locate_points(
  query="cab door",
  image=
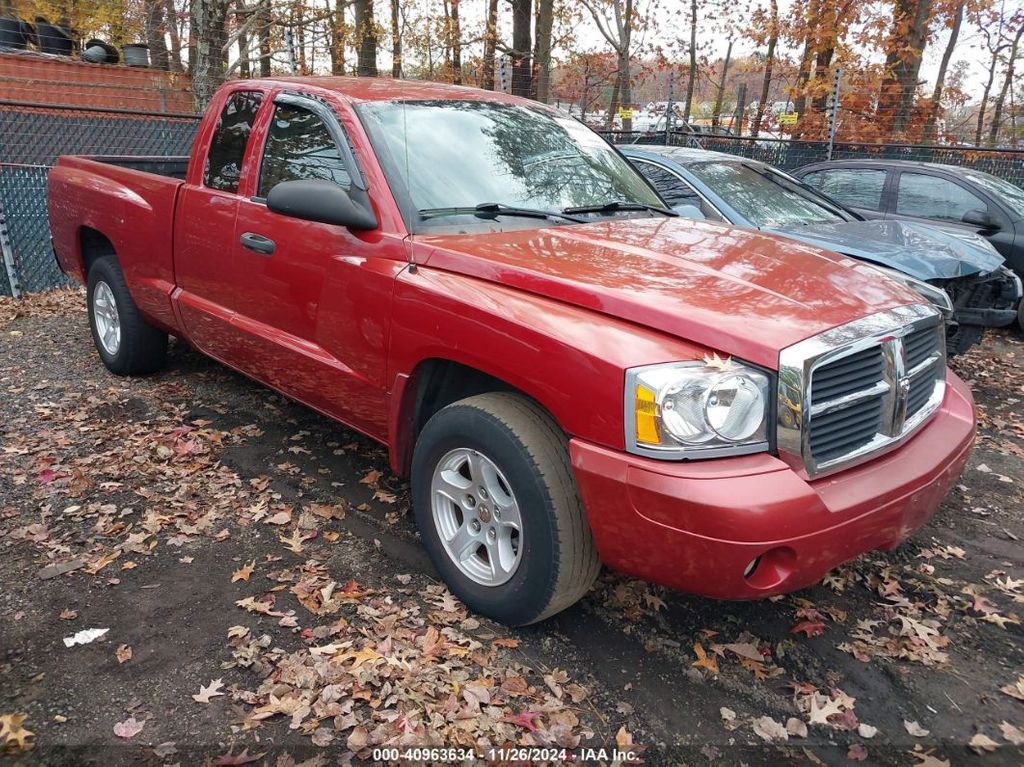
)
(204, 268)
(313, 299)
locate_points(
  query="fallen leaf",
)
(857, 753)
(525, 719)
(68, 615)
(1015, 689)
(624, 739)
(796, 727)
(866, 731)
(243, 573)
(769, 730)
(212, 690)
(1012, 733)
(703, 659)
(244, 757)
(14, 736)
(123, 653)
(129, 728)
(982, 743)
(915, 729)
(294, 543)
(810, 628)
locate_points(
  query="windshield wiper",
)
(493, 209)
(615, 206)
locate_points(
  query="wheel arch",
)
(435, 383)
(93, 245)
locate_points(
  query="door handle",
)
(257, 243)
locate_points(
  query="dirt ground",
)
(265, 599)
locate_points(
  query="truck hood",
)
(923, 251)
(732, 290)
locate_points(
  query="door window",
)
(855, 187)
(227, 146)
(934, 197)
(299, 147)
(673, 189)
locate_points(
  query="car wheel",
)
(1020, 315)
(127, 344)
(495, 502)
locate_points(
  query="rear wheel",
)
(126, 343)
(495, 501)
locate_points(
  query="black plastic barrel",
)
(13, 32)
(53, 39)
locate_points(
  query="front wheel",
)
(127, 344)
(495, 502)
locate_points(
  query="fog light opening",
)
(752, 566)
(770, 569)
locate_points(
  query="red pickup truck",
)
(568, 373)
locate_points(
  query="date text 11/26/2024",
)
(509, 754)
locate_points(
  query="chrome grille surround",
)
(892, 332)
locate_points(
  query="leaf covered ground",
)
(193, 568)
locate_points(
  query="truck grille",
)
(859, 389)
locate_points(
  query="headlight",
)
(696, 409)
(935, 296)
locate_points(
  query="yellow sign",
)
(626, 114)
(789, 118)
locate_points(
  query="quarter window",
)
(934, 197)
(230, 137)
(300, 147)
(853, 187)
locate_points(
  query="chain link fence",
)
(32, 137)
(787, 154)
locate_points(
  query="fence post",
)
(8, 251)
(670, 111)
(833, 109)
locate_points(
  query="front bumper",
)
(699, 526)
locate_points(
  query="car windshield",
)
(764, 197)
(451, 154)
(1011, 195)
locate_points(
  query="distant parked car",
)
(901, 189)
(959, 272)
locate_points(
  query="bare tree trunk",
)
(984, 96)
(716, 116)
(155, 34)
(769, 64)
(299, 28)
(490, 46)
(264, 36)
(209, 35)
(456, 40)
(692, 74)
(803, 77)
(244, 68)
(997, 113)
(613, 105)
(366, 39)
(903, 63)
(928, 133)
(396, 40)
(522, 71)
(174, 60)
(542, 50)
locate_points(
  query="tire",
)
(1020, 315)
(136, 348)
(555, 561)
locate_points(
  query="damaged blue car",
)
(956, 270)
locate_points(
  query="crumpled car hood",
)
(923, 251)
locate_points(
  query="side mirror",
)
(689, 211)
(980, 218)
(322, 201)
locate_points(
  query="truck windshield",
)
(765, 198)
(461, 156)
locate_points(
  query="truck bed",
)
(130, 202)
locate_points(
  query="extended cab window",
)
(227, 147)
(299, 147)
